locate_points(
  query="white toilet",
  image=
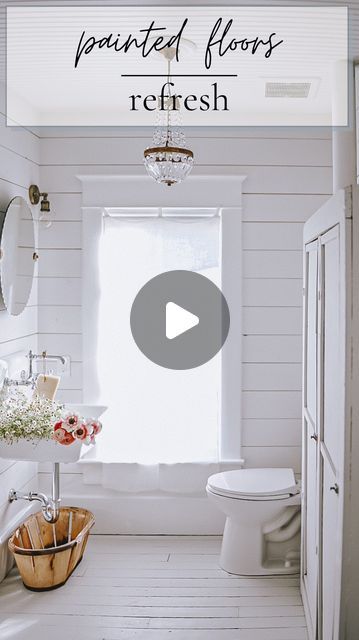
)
(262, 530)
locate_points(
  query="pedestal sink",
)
(50, 450)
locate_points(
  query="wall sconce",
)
(36, 196)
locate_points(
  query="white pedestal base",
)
(242, 552)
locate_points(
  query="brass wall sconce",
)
(35, 194)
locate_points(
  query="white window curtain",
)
(157, 418)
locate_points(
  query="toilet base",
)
(242, 553)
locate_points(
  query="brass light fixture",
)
(167, 159)
(35, 194)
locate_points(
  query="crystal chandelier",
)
(168, 160)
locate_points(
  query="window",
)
(155, 414)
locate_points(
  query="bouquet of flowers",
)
(43, 419)
(74, 427)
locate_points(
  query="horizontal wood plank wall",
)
(289, 176)
(19, 167)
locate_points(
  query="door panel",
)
(310, 454)
(332, 373)
(311, 330)
(329, 563)
(310, 576)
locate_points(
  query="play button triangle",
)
(178, 320)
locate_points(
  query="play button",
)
(179, 319)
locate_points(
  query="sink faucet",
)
(30, 379)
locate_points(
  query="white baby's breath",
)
(32, 419)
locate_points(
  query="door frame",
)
(217, 187)
(337, 211)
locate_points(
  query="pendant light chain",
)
(168, 160)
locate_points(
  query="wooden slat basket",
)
(47, 554)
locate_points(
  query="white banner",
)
(237, 66)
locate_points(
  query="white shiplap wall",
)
(19, 167)
(289, 176)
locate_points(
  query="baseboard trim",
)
(150, 515)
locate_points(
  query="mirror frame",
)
(3, 215)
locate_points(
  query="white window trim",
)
(218, 188)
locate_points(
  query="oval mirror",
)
(17, 255)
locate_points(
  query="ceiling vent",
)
(287, 89)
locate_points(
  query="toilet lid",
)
(253, 482)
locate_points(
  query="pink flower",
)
(96, 426)
(89, 428)
(71, 421)
(69, 439)
(59, 434)
(81, 432)
(62, 435)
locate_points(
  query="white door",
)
(326, 268)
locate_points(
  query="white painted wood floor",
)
(153, 588)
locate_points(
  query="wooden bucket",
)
(46, 554)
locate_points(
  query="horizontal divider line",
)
(59, 248)
(17, 125)
(19, 155)
(57, 333)
(271, 419)
(209, 607)
(164, 577)
(267, 278)
(64, 193)
(293, 590)
(246, 221)
(188, 127)
(276, 250)
(271, 391)
(230, 164)
(283, 194)
(272, 222)
(272, 306)
(271, 446)
(271, 335)
(268, 362)
(72, 221)
(15, 184)
(63, 471)
(28, 335)
(179, 75)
